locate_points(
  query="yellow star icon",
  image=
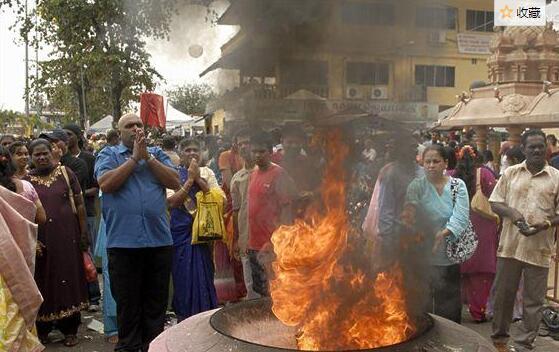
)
(506, 12)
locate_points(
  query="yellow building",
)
(403, 59)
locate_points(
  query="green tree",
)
(99, 50)
(9, 118)
(99, 62)
(191, 98)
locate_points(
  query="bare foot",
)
(112, 339)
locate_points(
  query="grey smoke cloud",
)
(190, 26)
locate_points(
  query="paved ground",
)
(543, 344)
(93, 341)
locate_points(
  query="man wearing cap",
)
(133, 179)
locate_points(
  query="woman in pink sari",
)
(20, 298)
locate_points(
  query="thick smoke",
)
(193, 25)
(303, 26)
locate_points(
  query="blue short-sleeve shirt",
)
(136, 214)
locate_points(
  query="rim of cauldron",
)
(427, 322)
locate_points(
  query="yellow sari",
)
(14, 334)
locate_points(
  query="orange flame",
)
(335, 304)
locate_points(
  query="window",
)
(434, 76)
(367, 73)
(305, 73)
(479, 21)
(361, 13)
(436, 17)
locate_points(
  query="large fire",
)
(335, 304)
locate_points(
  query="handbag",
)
(464, 246)
(480, 203)
(208, 222)
(89, 268)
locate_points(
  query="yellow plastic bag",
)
(208, 223)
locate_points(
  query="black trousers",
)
(259, 275)
(446, 299)
(140, 285)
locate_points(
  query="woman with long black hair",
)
(479, 271)
(21, 187)
(20, 157)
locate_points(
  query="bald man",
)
(133, 179)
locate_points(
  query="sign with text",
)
(390, 110)
(474, 43)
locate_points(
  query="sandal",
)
(71, 340)
(112, 339)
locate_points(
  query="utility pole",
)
(38, 105)
(85, 122)
(26, 66)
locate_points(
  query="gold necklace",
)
(47, 180)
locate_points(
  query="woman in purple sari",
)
(479, 271)
(193, 270)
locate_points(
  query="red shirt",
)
(268, 192)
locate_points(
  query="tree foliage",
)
(9, 118)
(99, 54)
(99, 51)
(191, 99)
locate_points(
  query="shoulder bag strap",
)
(70, 191)
(478, 179)
(453, 189)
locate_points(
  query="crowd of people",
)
(132, 201)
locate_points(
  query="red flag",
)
(152, 110)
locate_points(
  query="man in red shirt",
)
(270, 192)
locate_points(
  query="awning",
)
(221, 63)
(252, 61)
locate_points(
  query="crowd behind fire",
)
(131, 200)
